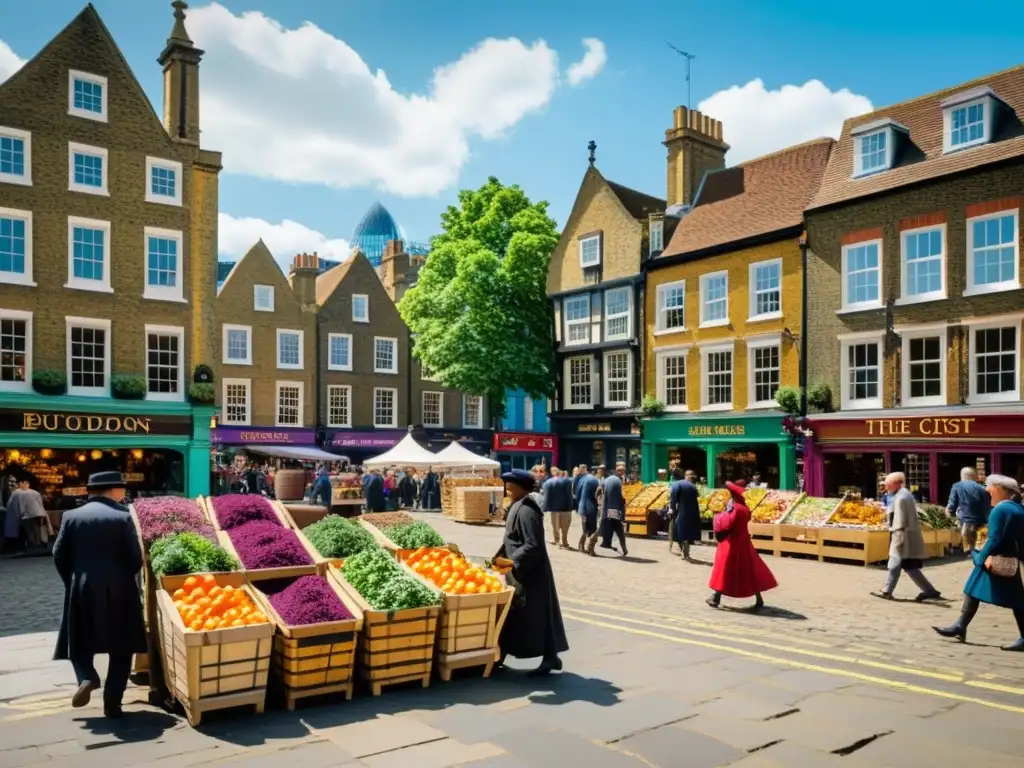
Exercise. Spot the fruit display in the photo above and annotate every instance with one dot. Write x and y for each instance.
(662, 500)
(935, 516)
(452, 573)
(346, 486)
(718, 500)
(204, 605)
(773, 506)
(647, 496)
(811, 511)
(630, 492)
(859, 514)
(754, 496)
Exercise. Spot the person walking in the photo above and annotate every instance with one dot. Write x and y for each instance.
(407, 489)
(969, 503)
(996, 578)
(430, 492)
(685, 511)
(739, 570)
(587, 486)
(98, 556)
(322, 489)
(613, 513)
(557, 493)
(906, 545)
(534, 624)
(27, 505)
(373, 489)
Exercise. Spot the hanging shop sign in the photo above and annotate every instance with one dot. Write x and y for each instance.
(90, 423)
(262, 436)
(601, 427)
(923, 428)
(524, 441)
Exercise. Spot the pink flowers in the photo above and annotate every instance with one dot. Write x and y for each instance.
(164, 515)
(264, 544)
(238, 509)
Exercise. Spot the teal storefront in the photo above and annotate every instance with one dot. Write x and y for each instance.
(720, 448)
(57, 441)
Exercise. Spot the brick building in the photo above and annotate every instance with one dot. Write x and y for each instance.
(914, 293)
(108, 229)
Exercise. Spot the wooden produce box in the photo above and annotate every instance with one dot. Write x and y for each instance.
(857, 545)
(319, 562)
(449, 485)
(379, 536)
(212, 670)
(473, 505)
(304, 515)
(397, 646)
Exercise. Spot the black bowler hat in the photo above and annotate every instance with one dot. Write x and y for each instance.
(102, 481)
(520, 477)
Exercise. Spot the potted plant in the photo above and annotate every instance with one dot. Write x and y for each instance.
(202, 393)
(49, 382)
(128, 386)
(651, 407)
(819, 397)
(788, 399)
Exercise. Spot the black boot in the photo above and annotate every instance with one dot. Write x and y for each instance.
(1018, 646)
(547, 666)
(715, 600)
(758, 604)
(954, 631)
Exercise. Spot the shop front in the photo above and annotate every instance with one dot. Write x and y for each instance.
(57, 442)
(849, 452)
(595, 440)
(358, 445)
(721, 449)
(523, 450)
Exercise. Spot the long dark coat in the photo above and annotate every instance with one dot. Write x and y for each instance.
(1005, 537)
(534, 624)
(374, 490)
(683, 502)
(407, 490)
(430, 493)
(98, 557)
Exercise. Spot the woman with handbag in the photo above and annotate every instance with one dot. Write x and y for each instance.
(996, 578)
(738, 571)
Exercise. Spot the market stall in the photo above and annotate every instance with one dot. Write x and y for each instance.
(408, 453)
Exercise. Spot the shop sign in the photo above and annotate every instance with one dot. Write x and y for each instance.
(602, 427)
(75, 423)
(516, 441)
(717, 430)
(262, 436)
(383, 440)
(920, 428)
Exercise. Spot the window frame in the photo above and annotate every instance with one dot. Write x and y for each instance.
(753, 316)
(81, 283)
(479, 423)
(706, 351)
(88, 149)
(585, 322)
(605, 381)
(704, 280)
(440, 408)
(225, 327)
(256, 298)
(301, 417)
(847, 340)
(580, 245)
(27, 318)
(606, 317)
(393, 424)
(655, 225)
(660, 311)
(985, 324)
(394, 355)
(302, 351)
(754, 343)
(25, 137)
(567, 392)
(331, 366)
(163, 292)
(168, 165)
(986, 124)
(95, 323)
(907, 298)
(971, 288)
(88, 77)
(845, 305)
(858, 157)
(661, 385)
(347, 424)
(25, 278)
(366, 317)
(225, 383)
(907, 334)
(178, 332)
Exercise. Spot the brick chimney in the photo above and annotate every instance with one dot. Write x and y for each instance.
(394, 270)
(302, 276)
(695, 146)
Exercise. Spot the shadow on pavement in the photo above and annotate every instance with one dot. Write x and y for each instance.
(768, 612)
(135, 726)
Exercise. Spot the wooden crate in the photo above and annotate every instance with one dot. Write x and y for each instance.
(314, 659)
(219, 669)
(397, 646)
(450, 483)
(319, 563)
(858, 545)
(473, 504)
(379, 536)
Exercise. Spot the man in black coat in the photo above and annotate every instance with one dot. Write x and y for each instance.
(98, 557)
(685, 510)
(374, 490)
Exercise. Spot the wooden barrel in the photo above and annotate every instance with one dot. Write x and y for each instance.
(290, 484)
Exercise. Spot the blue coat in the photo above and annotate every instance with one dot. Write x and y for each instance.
(322, 491)
(614, 503)
(683, 502)
(557, 494)
(1005, 537)
(969, 501)
(586, 494)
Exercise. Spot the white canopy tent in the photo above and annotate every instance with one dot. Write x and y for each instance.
(457, 456)
(408, 453)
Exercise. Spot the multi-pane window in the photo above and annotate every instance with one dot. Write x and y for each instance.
(237, 344)
(384, 414)
(15, 156)
(360, 308)
(923, 263)
(263, 298)
(432, 409)
(766, 288)
(672, 379)
(236, 401)
(289, 349)
(87, 95)
(472, 411)
(765, 372)
(863, 373)
(992, 243)
(967, 125)
(162, 260)
(924, 367)
(590, 251)
(671, 307)
(339, 406)
(616, 313)
(88, 169)
(577, 319)
(862, 275)
(289, 404)
(88, 253)
(580, 393)
(995, 355)
(616, 378)
(718, 377)
(88, 352)
(714, 298)
(163, 181)
(14, 350)
(657, 236)
(15, 244)
(385, 355)
(873, 151)
(339, 352)
(164, 363)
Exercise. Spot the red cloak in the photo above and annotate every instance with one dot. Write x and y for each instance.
(739, 570)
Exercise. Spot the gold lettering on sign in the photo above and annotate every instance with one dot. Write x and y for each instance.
(595, 428)
(718, 430)
(60, 422)
(929, 426)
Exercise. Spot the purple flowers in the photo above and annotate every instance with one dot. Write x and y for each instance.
(306, 600)
(165, 515)
(264, 544)
(239, 509)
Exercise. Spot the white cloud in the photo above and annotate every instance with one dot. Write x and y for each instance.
(10, 62)
(301, 105)
(757, 121)
(590, 65)
(238, 235)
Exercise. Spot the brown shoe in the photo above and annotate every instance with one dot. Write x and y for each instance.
(83, 695)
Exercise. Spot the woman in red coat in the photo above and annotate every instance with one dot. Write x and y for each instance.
(739, 571)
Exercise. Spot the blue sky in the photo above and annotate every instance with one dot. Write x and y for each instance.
(509, 111)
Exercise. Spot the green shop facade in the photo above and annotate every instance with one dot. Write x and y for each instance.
(720, 448)
(58, 441)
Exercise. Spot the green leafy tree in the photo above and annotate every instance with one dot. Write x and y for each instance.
(479, 309)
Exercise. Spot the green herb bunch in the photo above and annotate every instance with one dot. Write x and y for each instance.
(384, 584)
(182, 553)
(337, 538)
(414, 535)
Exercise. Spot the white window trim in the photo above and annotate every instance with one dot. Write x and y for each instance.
(863, 305)
(81, 284)
(480, 413)
(277, 402)
(248, 344)
(440, 409)
(661, 391)
(569, 406)
(847, 340)
(629, 379)
(394, 407)
(166, 330)
(89, 322)
(26, 137)
(366, 299)
(12, 278)
(986, 127)
(921, 331)
(162, 292)
(335, 366)
(973, 398)
(167, 165)
(655, 225)
(26, 385)
(704, 280)
(906, 298)
(586, 321)
(256, 298)
(705, 351)
(302, 351)
(760, 342)
(348, 422)
(660, 329)
(86, 149)
(580, 244)
(1007, 285)
(858, 165)
(247, 383)
(752, 282)
(394, 355)
(75, 74)
(627, 314)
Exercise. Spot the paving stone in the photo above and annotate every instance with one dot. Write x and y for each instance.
(742, 734)
(614, 722)
(21, 756)
(671, 747)
(436, 754)
(471, 724)
(819, 730)
(315, 754)
(382, 734)
(940, 750)
(736, 704)
(557, 749)
(789, 755)
(503, 761)
(807, 681)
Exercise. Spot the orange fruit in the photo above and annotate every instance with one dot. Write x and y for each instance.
(470, 586)
(210, 624)
(196, 625)
(190, 583)
(237, 623)
(214, 591)
(209, 580)
(179, 594)
(198, 592)
(459, 588)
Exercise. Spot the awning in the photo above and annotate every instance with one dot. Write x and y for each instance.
(308, 453)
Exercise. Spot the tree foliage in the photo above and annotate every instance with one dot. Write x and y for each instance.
(479, 309)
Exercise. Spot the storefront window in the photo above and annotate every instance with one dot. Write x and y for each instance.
(743, 462)
(597, 453)
(950, 465)
(916, 467)
(854, 473)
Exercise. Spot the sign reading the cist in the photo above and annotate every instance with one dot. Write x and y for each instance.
(717, 430)
(39, 421)
(925, 427)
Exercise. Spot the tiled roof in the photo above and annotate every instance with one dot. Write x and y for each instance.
(922, 157)
(639, 205)
(328, 281)
(754, 198)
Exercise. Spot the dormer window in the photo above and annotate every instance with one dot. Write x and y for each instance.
(657, 235)
(590, 251)
(874, 146)
(968, 119)
(873, 151)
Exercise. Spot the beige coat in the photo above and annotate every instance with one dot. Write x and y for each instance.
(907, 543)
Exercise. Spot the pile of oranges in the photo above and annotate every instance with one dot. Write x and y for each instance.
(452, 573)
(204, 605)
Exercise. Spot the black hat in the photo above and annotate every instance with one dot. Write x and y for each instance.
(102, 481)
(520, 477)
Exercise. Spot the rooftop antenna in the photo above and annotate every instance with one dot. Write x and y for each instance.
(689, 57)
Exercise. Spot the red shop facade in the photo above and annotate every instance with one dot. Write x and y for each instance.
(522, 450)
(847, 453)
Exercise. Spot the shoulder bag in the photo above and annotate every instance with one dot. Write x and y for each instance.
(1003, 566)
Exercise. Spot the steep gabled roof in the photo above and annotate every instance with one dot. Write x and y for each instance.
(327, 282)
(258, 252)
(639, 204)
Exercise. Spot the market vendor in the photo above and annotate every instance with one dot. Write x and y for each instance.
(322, 489)
(27, 506)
